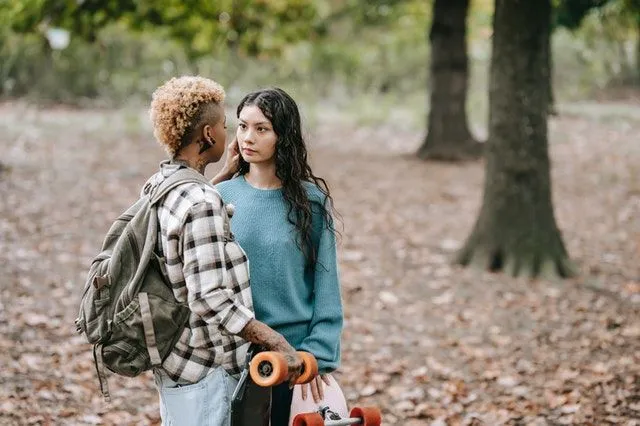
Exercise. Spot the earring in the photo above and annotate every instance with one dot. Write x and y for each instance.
(204, 145)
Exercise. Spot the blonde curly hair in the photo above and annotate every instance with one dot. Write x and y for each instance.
(178, 105)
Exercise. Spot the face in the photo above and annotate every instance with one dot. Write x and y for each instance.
(218, 133)
(256, 137)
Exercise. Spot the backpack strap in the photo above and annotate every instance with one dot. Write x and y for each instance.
(183, 175)
(149, 333)
(102, 376)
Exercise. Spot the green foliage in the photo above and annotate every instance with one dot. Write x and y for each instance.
(120, 66)
(348, 50)
(570, 13)
(602, 47)
(250, 26)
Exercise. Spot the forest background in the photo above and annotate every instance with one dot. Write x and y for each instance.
(415, 112)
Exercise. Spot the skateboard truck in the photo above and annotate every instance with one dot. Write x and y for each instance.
(327, 414)
(238, 393)
(366, 416)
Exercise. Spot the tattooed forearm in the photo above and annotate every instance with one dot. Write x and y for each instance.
(263, 335)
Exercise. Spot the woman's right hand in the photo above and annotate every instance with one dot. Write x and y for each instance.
(232, 162)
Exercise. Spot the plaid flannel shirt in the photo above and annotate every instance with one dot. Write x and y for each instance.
(209, 271)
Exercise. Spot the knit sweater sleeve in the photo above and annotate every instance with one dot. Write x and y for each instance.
(326, 324)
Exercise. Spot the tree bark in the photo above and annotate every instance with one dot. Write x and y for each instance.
(516, 229)
(448, 136)
(548, 73)
(638, 46)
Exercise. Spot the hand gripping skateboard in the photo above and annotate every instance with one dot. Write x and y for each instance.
(269, 369)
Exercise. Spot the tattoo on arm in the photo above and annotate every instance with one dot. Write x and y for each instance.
(261, 334)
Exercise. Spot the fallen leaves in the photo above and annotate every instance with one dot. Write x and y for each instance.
(430, 343)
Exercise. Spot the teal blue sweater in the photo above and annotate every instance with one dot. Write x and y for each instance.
(303, 305)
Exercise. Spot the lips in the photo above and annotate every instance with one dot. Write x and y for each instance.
(248, 151)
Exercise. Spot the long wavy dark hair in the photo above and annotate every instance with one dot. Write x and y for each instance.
(292, 167)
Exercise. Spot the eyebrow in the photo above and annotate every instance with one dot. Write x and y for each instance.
(258, 123)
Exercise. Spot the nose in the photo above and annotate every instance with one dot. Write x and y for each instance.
(247, 136)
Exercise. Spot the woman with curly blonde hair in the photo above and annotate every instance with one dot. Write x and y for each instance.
(205, 267)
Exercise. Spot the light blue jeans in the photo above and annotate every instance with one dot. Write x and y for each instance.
(206, 403)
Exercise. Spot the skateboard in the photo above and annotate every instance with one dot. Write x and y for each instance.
(267, 369)
(270, 369)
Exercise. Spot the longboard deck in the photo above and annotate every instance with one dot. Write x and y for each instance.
(333, 398)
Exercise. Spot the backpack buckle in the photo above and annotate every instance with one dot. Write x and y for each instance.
(79, 325)
(100, 281)
(231, 209)
(149, 188)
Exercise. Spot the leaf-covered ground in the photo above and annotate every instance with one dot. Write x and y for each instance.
(429, 343)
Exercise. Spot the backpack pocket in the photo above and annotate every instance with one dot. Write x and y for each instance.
(93, 318)
(133, 348)
(125, 359)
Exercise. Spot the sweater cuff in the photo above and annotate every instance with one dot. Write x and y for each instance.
(324, 366)
(327, 367)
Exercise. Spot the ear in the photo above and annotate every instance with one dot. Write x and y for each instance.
(207, 134)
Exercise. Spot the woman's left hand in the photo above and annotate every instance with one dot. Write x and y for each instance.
(317, 387)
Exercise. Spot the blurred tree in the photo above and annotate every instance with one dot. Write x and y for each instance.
(571, 13)
(636, 8)
(516, 229)
(448, 137)
(254, 27)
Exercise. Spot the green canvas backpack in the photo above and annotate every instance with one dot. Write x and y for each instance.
(128, 311)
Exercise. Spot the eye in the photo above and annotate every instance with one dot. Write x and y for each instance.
(242, 126)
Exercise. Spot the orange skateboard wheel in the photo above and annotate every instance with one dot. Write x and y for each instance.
(370, 416)
(269, 369)
(309, 368)
(308, 419)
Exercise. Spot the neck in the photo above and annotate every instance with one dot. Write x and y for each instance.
(263, 176)
(191, 159)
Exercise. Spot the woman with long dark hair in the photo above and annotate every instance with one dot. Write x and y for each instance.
(283, 220)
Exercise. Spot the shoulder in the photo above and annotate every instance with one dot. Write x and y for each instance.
(314, 193)
(230, 187)
(192, 195)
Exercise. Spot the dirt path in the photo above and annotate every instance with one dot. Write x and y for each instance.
(430, 343)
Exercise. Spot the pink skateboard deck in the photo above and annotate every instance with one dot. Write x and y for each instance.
(333, 398)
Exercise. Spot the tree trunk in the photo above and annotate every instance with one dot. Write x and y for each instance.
(548, 74)
(516, 229)
(448, 137)
(638, 47)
